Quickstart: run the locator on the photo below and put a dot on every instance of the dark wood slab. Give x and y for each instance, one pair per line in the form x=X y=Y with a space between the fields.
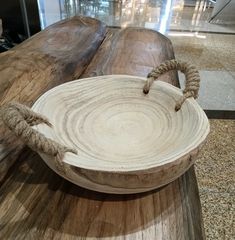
x=58 y=54
x=35 y=203
x=134 y=51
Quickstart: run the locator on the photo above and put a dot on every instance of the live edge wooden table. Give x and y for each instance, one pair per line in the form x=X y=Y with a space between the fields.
x=35 y=203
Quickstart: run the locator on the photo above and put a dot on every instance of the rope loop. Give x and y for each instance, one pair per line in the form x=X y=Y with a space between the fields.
x=191 y=75
x=20 y=119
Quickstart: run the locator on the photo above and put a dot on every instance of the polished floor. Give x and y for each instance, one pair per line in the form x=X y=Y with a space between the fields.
x=160 y=15
x=214 y=57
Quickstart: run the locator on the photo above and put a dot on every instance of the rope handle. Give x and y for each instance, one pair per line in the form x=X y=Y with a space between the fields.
x=191 y=75
x=20 y=119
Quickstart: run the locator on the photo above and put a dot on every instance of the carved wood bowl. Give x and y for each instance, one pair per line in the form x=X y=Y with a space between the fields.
x=127 y=142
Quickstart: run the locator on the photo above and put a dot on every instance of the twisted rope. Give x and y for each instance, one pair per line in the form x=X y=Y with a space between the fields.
x=19 y=119
x=191 y=75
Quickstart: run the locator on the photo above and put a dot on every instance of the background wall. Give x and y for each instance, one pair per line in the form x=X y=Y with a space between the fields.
x=12 y=18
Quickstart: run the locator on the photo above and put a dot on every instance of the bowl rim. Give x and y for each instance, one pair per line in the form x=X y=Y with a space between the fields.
x=133 y=168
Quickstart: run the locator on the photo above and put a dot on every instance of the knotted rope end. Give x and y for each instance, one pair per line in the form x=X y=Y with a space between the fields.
x=177 y=107
x=146 y=89
x=46 y=121
x=60 y=165
x=72 y=150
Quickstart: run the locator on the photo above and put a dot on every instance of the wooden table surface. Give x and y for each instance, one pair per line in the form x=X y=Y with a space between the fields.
x=35 y=203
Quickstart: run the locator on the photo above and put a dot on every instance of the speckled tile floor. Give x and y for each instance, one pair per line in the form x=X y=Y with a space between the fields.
x=214 y=56
x=215 y=169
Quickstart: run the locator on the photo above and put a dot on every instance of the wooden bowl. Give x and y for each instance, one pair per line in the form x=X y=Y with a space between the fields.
x=127 y=141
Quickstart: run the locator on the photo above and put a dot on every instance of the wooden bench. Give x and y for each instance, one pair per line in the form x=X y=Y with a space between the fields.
x=35 y=203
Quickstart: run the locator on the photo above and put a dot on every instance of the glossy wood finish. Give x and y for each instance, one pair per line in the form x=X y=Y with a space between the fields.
x=56 y=55
x=35 y=203
x=133 y=52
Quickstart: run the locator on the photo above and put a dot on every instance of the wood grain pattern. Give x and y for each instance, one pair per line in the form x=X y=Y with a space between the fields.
x=126 y=141
x=58 y=54
x=35 y=203
x=132 y=51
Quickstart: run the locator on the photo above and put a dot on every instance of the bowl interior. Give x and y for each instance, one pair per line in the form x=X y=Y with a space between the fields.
x=114 y=126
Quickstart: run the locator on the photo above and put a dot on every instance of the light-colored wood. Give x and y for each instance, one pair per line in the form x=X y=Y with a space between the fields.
x=127 y=142
x=35 y=203
x=58 y=54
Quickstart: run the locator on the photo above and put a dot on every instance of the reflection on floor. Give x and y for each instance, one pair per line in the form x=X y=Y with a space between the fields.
x=214 y=57
x=163 y=16
x=157 y=15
